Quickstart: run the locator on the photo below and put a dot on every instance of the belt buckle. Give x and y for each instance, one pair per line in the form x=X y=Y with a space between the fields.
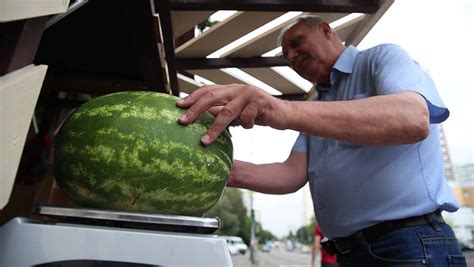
x=333 y=247
x=328 y=245
x=339 y=248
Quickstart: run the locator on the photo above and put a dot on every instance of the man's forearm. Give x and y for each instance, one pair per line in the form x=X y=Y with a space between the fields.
x=274 y=178
x=381 y=120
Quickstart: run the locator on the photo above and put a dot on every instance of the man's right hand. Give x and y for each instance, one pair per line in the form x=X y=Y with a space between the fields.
x=245 y=103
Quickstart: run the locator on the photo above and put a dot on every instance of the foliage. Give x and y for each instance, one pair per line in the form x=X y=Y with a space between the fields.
x=234 y=217
x=206 y=24
x=305 y=234
x=263 y=236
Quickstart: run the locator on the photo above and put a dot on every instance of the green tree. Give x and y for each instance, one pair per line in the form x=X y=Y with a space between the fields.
x=229 y=221
x=305 y=234
x=234 y=217
x=264 y=236
x=232 y=214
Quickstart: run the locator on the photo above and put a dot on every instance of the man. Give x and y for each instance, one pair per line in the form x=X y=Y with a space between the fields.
x=369 y=148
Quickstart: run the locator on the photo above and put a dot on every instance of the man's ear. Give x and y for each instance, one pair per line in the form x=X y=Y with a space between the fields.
x=325 y=29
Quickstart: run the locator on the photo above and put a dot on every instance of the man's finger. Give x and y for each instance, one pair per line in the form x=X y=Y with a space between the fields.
x=249 y=115
x=215 y=110
x=227 y=114
x=200 y=102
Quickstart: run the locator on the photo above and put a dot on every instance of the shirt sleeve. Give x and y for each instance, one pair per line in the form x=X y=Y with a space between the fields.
x=395 y=71
x=301 y=144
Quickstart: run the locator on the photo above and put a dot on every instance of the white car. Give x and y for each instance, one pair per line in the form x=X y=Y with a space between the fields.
x=236 y=245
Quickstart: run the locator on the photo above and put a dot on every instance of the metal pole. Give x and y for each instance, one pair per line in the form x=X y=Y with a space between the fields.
x=253 y=240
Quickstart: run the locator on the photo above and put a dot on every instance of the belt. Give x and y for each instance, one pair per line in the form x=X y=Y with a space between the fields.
x=345 y=245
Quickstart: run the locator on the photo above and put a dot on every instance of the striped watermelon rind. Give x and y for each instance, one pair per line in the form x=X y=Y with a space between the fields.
x=127 y=151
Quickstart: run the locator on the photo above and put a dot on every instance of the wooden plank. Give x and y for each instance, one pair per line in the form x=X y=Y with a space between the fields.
x=11 y=10
x=187 y=85
x=268 y=40
x=366 y=25
x=224 y=33
x=184 y=21
x=19 y=92
x=344 y=30
x=216 y=76
x=275 y=80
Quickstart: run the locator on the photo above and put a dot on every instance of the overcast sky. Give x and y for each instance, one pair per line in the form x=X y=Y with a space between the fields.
x=439 y=35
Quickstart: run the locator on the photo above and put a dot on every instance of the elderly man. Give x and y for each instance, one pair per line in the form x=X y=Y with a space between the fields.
x=369 y=148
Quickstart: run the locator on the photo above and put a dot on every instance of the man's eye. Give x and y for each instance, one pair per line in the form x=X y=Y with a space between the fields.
x=296 y=42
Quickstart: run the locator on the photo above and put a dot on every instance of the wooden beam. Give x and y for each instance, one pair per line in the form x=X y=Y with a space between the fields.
x=19 y=41
x=344 y=6
x=367 y=23
x=219 y=63
x=140 y=18
x=274 y=79
x=11 y=10
x=19 y=92
x=93 y=85
x=217 y=76
x=183 y=21
x=168 y=40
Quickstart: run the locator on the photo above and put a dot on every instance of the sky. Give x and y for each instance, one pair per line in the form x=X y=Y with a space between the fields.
x=438 y=35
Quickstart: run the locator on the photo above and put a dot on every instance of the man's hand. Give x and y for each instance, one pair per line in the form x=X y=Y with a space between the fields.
x=245 y=103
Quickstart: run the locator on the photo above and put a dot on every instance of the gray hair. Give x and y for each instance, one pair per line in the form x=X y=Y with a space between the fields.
x=307 y=19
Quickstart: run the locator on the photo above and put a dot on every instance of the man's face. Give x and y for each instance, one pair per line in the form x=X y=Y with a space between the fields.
x=306 y=49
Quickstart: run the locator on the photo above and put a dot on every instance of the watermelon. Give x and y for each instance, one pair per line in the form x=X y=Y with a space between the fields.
x=126 y=151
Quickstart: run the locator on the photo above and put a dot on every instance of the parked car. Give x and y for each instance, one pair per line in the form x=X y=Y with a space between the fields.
x=236 y=245
x=267 y=246
x=465 y=245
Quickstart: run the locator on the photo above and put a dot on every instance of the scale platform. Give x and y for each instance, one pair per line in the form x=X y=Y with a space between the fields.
x=91 y=237
x=157 y=222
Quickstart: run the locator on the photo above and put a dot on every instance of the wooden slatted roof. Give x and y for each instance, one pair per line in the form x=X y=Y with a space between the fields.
x=247 y=56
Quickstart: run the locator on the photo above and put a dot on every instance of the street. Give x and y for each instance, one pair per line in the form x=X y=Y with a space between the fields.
x=275 y=257
x=282 y=258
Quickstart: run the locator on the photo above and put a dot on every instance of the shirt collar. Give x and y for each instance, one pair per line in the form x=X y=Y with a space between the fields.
x=346 y=60
x=344 y=64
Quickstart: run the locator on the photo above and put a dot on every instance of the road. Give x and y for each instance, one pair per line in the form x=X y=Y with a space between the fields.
x=296 y=259
x=276 y=258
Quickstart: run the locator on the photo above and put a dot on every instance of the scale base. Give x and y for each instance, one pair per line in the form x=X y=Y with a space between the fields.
x=26 y=242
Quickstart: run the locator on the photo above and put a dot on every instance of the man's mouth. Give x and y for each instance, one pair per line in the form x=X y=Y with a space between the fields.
x=301 y=62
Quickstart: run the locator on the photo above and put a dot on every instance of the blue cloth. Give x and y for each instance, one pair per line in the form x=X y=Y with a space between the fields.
x=355 y=186
x=422 y=246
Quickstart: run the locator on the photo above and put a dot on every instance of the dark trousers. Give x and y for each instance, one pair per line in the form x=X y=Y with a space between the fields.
x=422 y=245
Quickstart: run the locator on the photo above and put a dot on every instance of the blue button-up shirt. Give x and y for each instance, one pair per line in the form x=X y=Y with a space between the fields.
x=356 y=186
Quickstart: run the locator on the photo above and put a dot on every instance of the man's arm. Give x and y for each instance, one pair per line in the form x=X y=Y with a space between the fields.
x=399 y=118
x=274 y=178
